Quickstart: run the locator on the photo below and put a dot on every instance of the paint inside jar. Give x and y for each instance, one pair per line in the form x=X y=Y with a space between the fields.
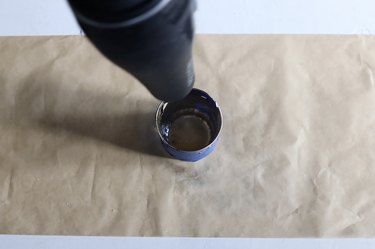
x=189 y=133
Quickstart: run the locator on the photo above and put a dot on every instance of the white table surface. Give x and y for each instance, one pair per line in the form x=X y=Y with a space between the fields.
x=53 y=17
x=78 y=242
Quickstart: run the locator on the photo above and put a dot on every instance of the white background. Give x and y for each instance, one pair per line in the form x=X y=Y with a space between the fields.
x=53 y=17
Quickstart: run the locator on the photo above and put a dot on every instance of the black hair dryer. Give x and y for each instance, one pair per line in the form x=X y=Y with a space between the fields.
x=151 y=39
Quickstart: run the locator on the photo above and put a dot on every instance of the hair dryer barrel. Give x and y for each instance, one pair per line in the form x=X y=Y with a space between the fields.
x=151 y=39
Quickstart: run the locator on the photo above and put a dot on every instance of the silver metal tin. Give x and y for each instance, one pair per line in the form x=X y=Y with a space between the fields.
x=189 y=129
